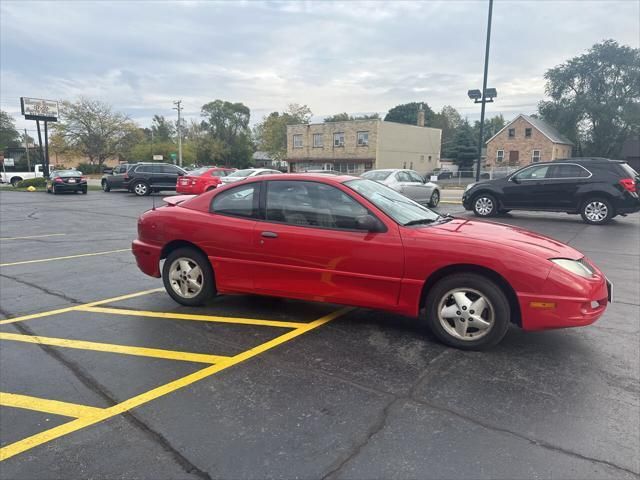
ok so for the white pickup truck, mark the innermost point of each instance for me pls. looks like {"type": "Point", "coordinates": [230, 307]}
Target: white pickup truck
{"type": "Point", "coordinates": [13, 177]}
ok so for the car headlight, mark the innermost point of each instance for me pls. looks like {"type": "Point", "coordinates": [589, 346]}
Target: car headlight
{"type": "Point", "coordinates": [469, 186]}
{"type": "Point", "coordinates": [574, 266]}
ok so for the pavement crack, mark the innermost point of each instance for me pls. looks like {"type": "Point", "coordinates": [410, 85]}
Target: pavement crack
{"type": "Point", "coordinates": [62, 296]}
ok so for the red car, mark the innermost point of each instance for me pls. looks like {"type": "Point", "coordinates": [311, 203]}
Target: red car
{"type": "Point", "coordinates": [201, 180]}
{"type": "Point", "coordinates": [354, 241]}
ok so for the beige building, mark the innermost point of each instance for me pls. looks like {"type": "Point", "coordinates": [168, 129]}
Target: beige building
{"type": "Point", "coordinates": [526, 140]}
{"type": "Point", "coordinates": [356, 146]}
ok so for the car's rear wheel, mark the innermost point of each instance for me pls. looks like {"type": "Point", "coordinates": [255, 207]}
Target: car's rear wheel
{"type": "Point", "coordinates": [105, 186]}
{"type": "Point", "coordinates": [485, 205]}
{"type": "Point", "coordinates": [597, 211]}
{"type": "Point", "coordinates": [435, 199]}
{"type": "Point", "coordinates": [213, 187]}
{"type": "Point", "coordinates": [53, 190]}
{"type": "Point", "coordinates": [84, 191]}
{"type": "Point", "coordinates": [141, 189]}
{"type": "Point", "coordinates": [188, 277]}
{"type": "Point", "coordinates": [467, 311]}
{"type": "Point", "coordinates": [15, 181]}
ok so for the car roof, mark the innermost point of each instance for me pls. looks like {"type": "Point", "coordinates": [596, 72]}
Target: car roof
{"type": "Point", "coordinates": [324, 178]}
{"type": "Point", "coordinates": [588, 160]}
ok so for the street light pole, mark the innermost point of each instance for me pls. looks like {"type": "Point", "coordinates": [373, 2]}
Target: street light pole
{"type": "Point", "coordinates": [179, 109]}
{"type": "Point", "coordinates": [484, 88]}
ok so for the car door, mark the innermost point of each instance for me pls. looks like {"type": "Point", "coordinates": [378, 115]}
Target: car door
{"type": "Point", "coordinates": [419, 191]}
{"type": "Point", "coordinates": [169, 176]}
{"type": "Point", "coordinates": [116, 179]}
{"type": "Point", "coordinates": [524, 188]}
{"type": "Point", "coordinates": [560, 187]}
{"type": "Point", "coordinates": [310, 247]}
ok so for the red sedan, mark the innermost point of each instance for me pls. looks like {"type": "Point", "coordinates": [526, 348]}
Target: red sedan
{"type": "Point", "coordinates": [353, 241]}
{"type": "Point", "coordinates": [201, 180]}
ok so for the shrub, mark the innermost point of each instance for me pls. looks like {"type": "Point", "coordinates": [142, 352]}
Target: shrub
{"type": "Point", "coordinates": [33, 182]}
{"type": "Point", "coordinates": [87, 168]}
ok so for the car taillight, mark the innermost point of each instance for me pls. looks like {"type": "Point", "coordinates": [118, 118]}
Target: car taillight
{"type": "Point", "coordinates": [58, 180]}
{"type": "Point", "coordinates": [83, 179]}
{"type": "Point", "coordinates": [629, 184]}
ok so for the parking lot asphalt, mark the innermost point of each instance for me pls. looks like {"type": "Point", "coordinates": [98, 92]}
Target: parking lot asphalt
{"type": "Point", "coordinates": [102, 375]}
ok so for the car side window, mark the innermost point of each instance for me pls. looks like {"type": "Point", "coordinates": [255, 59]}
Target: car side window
{"type": "Point", "coordinates": [240, 201]}
{"type": "Point", "coordinates": [218, 173]}
{"type": "Point", "coordinates": [312, 204]}
{"type": "Point", "coordinates": [415, 177]}
{"type": "Point", "coordinates": [567, 171]}
{"type": "Point", "coordinates": [144, 169]}
{"type": "Point", "coordinates": [403, 177]}
{"type": "Point", "coordinates": [533, 173]}
{"type": "Point", "coordinates": [169, 169]}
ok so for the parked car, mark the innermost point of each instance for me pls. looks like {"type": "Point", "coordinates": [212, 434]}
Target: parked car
{"type": "Point", "coordinates": [325, 172]}
{"type": "Point", "coordinates": [596, 188]}
{"type": "Point", "coordinates": [14, 175]}
{"type": "Point", "coordinates": [145, 178]}
{"type": "Point", "coordinates": [246, 173]}
{"type": "Point", "coordinates": [358, 242]}
{"type": "Point", "coordinates": [407, 182]}
{"type": "Point", "coordinates": [66, 181]}
{"type": "Point", "coordinates": [114, 180]}
{"type": "Point", "coordinates": [201, 180]}
{"type": "Point", "coordinates": [441, 174]}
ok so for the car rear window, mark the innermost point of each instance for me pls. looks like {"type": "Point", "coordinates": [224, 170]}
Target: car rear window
{"type": "Point", "coordinates": [70, 173]}
{"type": "Point", "coordinates": [628, 169]}
{"type": "Point", "coordinates": [197, 172]}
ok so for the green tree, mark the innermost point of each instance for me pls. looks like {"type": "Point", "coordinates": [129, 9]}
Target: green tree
{"type": "Point", "coordinates": [465, 146]}
{"type": "Point", "coordinates": [408, 113]}
{"type": "Point", "coordinates": [595, 98]}
{"type": "Point", "coordinates": [448, 120]}
{"type": "Point", "coordinates": [9, 136]}
{"type": "Point", "coordinates": [344, 117]}
{"type": "Point", "coordinates": [491, 126]}
{"type": "Point", "coordinates": [228, 124]}
{"type": "Point", "coordinates": [92, 129]}
{"type": "Point", "coordinates": [163, 130]}
{"type": "Point", "coordinates": [271, 133]}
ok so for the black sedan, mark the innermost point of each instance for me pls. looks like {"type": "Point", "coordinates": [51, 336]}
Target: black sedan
{"type": "Point", "coordinates": [66, 181]}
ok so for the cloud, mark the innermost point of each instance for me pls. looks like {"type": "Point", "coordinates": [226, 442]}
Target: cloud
{"type": "Point", "coordinates": [334, 56]}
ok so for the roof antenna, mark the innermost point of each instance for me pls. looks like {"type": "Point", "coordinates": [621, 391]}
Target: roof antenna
{"type": "Point", "coordinates": [153, 199]}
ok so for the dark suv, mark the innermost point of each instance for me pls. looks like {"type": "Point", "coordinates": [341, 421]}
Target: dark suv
{"type": "Point", "coordinates": [596, 188]}
{"type": "Point", "coordinates": [114, 179]}
{"type": "Point", "coordinates": [145, 178]}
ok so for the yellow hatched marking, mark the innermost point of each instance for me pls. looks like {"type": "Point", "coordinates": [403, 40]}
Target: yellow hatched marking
{"type": "Point", "coordinates": [197, 318]}
{"type": "Point", "coordinates": [75, 425]}
{"type": "Point", "coordinates": [40, 260]}
{"type": "Point", "coordinates": [33, 236]}
{"type": "Point", "coordinates": [113, 348]}
{"type": "Point", "coordinates": [79, 307]}
{"type": "Point", "coordinates": [47, 406]}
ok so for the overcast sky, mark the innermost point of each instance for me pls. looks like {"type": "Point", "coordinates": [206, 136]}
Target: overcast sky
{"type": "Point", "coordinates": [357, 57]}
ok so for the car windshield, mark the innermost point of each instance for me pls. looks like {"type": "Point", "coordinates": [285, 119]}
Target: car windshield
{"type": "Point", "coordinates": [70, 173]}
{"type": "Point", "coordinates": [197, 172]}
{"type": "Point", "coordinates": [398, 207]}
{"type": "Point", "coordinates": [241, 173]}
{"type": "Point", "coordinates": [377, 176]}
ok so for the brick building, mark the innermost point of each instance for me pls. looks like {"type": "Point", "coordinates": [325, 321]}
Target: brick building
{"type": "Point", "coordinates": [526, 140]}
{"type": "Point", "coordinates": [356, 146]}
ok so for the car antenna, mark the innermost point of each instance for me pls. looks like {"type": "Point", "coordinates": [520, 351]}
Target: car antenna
{"type": "Point", "coordinates": [153, 200]}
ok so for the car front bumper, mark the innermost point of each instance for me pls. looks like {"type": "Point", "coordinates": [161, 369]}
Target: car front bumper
{"type": "Point", "coordinates": [147, 257]}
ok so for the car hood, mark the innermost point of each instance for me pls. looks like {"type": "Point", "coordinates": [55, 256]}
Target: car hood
{"type": "Point", "coordinates": [508, 235]}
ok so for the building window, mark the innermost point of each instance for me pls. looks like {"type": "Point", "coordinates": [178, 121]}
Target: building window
{"type": "Point", "coordinates": [338, 139]}
{"type": "Point", "coordinates": [535, 156]}
{"type": "Point", "coordinates": [500, 156]}
{"type": "Point", "coordinates": [512, 133]}
{"type": "Point", "coordinates": [363, 139]}
{"type": "Point", "coordinates": [527, 132]}
{"type": "Point", "coordinates": [297, 141]}
{"type": "Point", "coordinates": [317, 140]}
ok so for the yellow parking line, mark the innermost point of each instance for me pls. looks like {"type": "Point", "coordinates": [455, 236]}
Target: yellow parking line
{"type": "Point", "coordinates": [67, 257]}
{"type": "Point", "coordinates": [47, 406]}
{"type": "Point", "coordinates": [450, 202]}
{"type": "Point", "coordinates": [113, 348]}
{"type": "Point", "coordinates": [197, 318]}
{"type": "Point", "coordinates": [40, 260]}
{"type": "Point", "coordinates": [33, 236]}
{"type": "Point", "coordinates": [75, 425]}
{"type": "Point", "coordinates": [79, 307]}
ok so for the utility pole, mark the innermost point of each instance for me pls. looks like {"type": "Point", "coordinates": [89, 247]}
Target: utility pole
{"type": "Point", "coordinates": [484, 88]}
{"type": "Point", "coordinates": [178, 107]}
{"type": "Point", "coordinates": [26, 147]}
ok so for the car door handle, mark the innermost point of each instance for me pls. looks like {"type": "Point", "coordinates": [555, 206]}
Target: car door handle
{"type": "Point", "coordinates": [270, 234]}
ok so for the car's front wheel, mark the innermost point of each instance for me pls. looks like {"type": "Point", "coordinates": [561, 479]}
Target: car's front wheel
{"type": "Point", "coordinates": [485, 205]}
{"type": "Point", "coordinates": [188, 277]}
{"type": "Point", "coordinates": [467, 311]}
{"type": "Point", "coordinates": [435, 199]}
{"type": "Point", "coordinates": [597, 211]}
{"type": "Point", "coordinates": [141, 189]}
{"type": "Point", "coordinates": [105, 186]}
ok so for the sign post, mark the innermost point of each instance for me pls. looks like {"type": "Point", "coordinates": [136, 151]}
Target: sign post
{"type": "Point", "coordinates": [40, 109]}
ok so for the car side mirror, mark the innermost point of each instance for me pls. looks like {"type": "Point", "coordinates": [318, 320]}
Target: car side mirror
{"type": "Point", "coordinates": [369, 223]}
{"type": "Point", "coordinates": [515, 180]}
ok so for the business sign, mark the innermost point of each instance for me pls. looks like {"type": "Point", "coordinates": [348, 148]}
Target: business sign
{"type": "Point", "coordinates": [8, 162]}
{"type": "Point", "coordinates": [39, 109]}
{"type": "Point", "coordinates": [158, 157]}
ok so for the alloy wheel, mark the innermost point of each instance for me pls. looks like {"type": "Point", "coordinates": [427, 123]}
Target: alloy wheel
{"type": "Point", "coordinates": [435, 198]}
{"type": "Point", "coordinates": [185, 277]}
{"type": "Point", "coordinates": [466, 314]}
{"type": "Point", "coordinates": [596, 211]}
{"type": "Point", "coordinates": [484, 206]}
{"type": "Point", "coordinates": [141, 189]}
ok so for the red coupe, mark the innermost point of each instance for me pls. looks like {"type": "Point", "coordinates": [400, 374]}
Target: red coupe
{"type": "Point", "coordinates": [201, 180]}
{"type": "Point", "coordinates": [354, 241]}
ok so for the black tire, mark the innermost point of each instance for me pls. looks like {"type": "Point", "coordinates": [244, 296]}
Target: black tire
{"type": "Point", "coordinates": [105, 186]}
{"type": "Point", "coordinates": [485, 205]}
{"type": "Point", "coordinates": [208, 289]}
{"type": "Point", "coordinates": [141, 189]}
{"type": "Point", "coordinates": [84, 191]}
{"type": "Point", "coordinates": [597, 211]}
{"type": "Point", "coordinates": [435, 199]}
{"type": "Point", "coordinates": [498, 304]}
{"type": "Point", "coordinates": [15, 181]}
{"type": "Point", "coordinates": [210, 188]}
{"type": "Point", "coordinates": [53, 190]}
